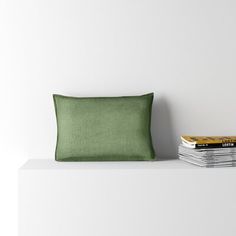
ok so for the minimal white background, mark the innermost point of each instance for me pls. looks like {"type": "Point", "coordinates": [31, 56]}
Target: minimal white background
{"type": "Point", "coordinates": [183, 51]}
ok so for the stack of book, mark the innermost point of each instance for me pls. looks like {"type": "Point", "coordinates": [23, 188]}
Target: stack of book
{"type": "Point", "coordinates": [208, 151]}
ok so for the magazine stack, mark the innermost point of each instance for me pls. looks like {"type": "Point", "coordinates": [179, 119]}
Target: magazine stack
{"type": "Point", "coordinates": [208, 151]}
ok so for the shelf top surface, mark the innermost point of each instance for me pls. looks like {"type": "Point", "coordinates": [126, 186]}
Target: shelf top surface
{"type": "Point", "coordinates": [50, 164]}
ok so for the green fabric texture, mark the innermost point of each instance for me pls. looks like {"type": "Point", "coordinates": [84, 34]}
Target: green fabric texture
{"type": "Point", "coordinates": [104, 128]}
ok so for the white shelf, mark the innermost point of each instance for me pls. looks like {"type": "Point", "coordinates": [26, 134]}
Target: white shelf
{"type": "Point", "coordinates": [50, 164]}
{"type": "Point", "coordinates": [166, 198]}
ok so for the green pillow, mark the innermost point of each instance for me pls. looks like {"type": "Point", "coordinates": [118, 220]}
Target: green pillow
{"type": "Point", "coordinates": [104, 128]}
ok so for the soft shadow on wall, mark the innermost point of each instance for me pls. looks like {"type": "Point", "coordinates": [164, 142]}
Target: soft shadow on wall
{"type": "Point", "coordinates": [163, 134]}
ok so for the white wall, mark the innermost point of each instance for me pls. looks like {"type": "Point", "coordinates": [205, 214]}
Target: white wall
{"type": "Point", "coordinates": [183, 50]}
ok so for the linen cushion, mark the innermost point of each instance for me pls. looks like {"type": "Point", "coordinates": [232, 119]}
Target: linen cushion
{"type": "Point", "coordinates": [103, 128]}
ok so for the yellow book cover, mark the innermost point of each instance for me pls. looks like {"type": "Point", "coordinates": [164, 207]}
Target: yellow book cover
{"type": "Point", "coordinates": [209, 141]}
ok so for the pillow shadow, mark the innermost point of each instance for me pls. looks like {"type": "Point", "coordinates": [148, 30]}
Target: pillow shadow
{"type": "Point", "coordinates": [163, 135]}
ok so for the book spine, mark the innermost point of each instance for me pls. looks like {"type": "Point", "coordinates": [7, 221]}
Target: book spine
{"type": "Point", "coordinates": [216, 145]}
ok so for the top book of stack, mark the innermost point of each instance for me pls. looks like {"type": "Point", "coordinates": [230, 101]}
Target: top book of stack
{"type": "Point", "coordinates": [209, 141]}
